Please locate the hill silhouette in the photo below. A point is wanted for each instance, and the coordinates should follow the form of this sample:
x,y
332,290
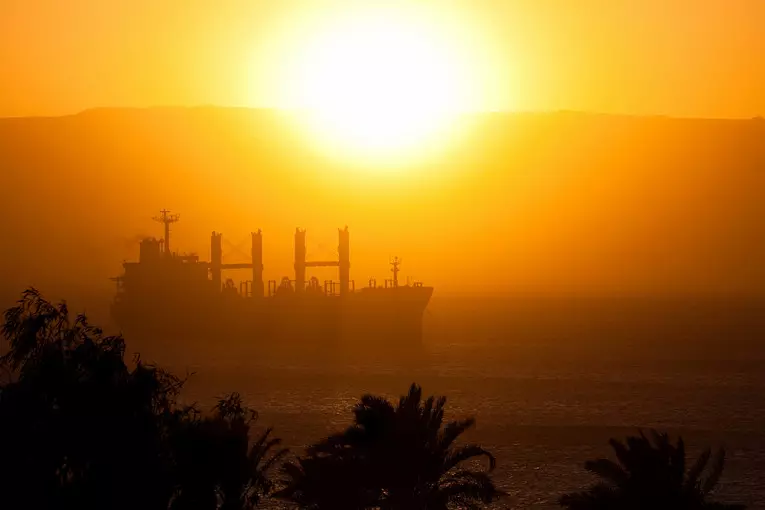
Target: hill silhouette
x,y
549,202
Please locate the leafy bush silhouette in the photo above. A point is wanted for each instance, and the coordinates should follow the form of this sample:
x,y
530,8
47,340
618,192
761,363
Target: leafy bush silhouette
x,y
651,474
80,429
392,458
216,463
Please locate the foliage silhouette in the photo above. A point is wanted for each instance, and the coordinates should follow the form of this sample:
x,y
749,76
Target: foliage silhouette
x,y
392,458
216,463
80,429
651,474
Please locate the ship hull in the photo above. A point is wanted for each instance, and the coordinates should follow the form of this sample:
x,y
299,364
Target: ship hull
x,y
368,321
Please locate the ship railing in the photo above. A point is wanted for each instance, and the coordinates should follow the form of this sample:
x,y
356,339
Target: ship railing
x,y
245,288
332,288
390,283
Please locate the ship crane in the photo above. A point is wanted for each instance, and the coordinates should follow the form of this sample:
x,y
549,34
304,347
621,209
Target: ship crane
x,y
255,286
343,262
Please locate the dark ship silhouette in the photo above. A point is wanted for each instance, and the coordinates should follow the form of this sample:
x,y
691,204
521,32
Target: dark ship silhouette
x,y
169,294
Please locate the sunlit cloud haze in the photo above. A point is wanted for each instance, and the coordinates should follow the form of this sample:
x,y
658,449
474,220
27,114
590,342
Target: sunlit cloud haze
x,y
678,57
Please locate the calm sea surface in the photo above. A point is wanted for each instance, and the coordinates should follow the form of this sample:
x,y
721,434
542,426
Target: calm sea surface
x,y
549,384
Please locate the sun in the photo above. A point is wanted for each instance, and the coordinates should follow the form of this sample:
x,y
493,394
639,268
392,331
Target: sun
x,y
378,83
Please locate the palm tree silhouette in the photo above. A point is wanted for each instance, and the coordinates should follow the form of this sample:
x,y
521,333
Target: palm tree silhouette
x,y
651,474
216,462
392,457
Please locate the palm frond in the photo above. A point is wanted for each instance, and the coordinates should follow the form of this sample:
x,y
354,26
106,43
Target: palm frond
x,y
258,456
718,464
621,451
694,474
650,474
608,470
452,431
677,461
461,454
464,486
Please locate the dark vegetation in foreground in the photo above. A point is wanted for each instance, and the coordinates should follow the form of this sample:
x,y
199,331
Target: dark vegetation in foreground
x,y
83,429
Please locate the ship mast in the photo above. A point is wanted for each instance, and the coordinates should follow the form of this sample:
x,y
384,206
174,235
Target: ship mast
x,y
167,219
395,263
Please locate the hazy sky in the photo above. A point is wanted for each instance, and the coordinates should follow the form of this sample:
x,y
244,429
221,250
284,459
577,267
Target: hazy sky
x,y
673,57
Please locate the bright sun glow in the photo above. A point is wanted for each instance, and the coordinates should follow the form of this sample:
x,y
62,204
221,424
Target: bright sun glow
x,y
377,83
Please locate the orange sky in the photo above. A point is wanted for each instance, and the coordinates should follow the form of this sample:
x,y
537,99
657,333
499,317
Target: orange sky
x,y
672,57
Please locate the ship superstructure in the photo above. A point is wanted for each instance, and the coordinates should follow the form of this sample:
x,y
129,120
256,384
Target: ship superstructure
x,y
169,293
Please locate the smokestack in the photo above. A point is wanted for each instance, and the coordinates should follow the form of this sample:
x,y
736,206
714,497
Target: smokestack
x,y
299,260
257,264
216,259
345,260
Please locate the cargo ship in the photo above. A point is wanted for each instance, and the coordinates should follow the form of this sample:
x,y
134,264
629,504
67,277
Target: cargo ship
x,y
168,294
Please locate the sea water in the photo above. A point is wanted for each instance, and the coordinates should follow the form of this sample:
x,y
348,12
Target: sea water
x,y
548,386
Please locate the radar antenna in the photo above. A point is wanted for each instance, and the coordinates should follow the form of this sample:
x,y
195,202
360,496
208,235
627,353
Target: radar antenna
x,y
167,219
395,263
